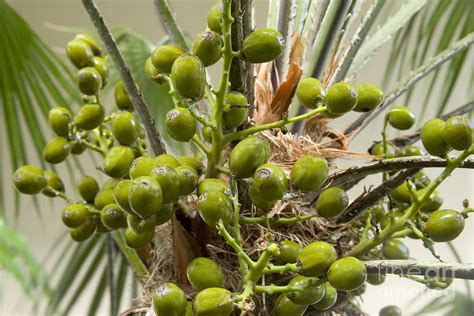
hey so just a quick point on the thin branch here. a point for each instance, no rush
(414, 76)
(170, 25)
(130, 85)
(427, 269)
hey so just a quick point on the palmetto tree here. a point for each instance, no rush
(330, 40)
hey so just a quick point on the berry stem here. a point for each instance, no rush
(198, 141)
(60, 194)
(141, 271)
(235, 227)
(233, 243)
(275, 220)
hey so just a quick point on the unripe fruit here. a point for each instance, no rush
(289, 251)
(142, 166)
(141, 225)
(192, 162)
(213, 206)
(187, 179)
(165, 214)
(82, 232)
(432, 137)
(137, 241)
(207, 134)
(77, 148)
(99, 226)
(168, 179)
(169, 300)
(369, 97)
(387, 218)
(434, 201)
(262, 45)
(409, 151)
(211, 184)
(285, 307)
(310, 92)
(329, 299)
(113, 217)
(400, 117)
(145, 196)
(59, 119)
(208, 47)
(402, 193)
(118, 161)
(122, 100)
(375, 278)
(236, 109)
(258, 201)
(316, 258)
(311, 294)
(394, 249)
(56, 150)
(347, 274)
(91, 41)
(125, 128)
(203, 273)
(29, 180)
(79, 53)
(189, 77)
(88, 188)
(213, 301)
(271, 182)
(214, 18)
(74, 215)
(390, 310)
(163, 57)
(332, 202)
(152, 72)
(444, 225)
(100, 64)
(89, 81)
(53, 181)
(121, 193)
(180, 124)
(309, 173)
(104, 198)
(458, 132)
(247, 156)
(341, 98)
(89, 116)
(378, 150)
(168, 160)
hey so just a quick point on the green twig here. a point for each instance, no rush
(233, 243)
(276, 220)
(133, 259)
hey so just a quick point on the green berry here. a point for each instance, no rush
(213, 301)
(77, 148)
(207, 134)
(369, 97)
(56, 150)
(163, 57)
(329, 299)
(258, 201)
(142, 166)
(203, 273)
(236, 109)
(121, 192)
(289, 251)
(79, 53)
(180, 124)
(29, 180)
(113, 217)
(100, 64)
(208, 47)
(311, 294)
(89, 116)
(390, 310)
(262, 45)
(168, 179)
(168, 160)
(375, 278)
(285, 307)
(432, 137)
(141, 225)
(189, 77)
(434, 202)
(138, 241)
(310, 92)
(53, 181)
(213, 206)
(332, 202)
(110, 184)
(210, 184)
(74, 215)
(88, 188)
(125, 128)
(91, 41)
(188, 179)
(309, 173)
(83, 232)
(122, 100)
(145, 196)
(89, 81)
(118, 161)
(103, 198)
(400, 117)
(402, 193)
(165, 214)
(59, 119)
(192, 162)
(458, 132)
(444, 225)
(153, 73)
(169, 300)
(341, 98)
(271, 182)
(377, 150)
(409, 151)
(316, 258)
(247, 156)
(394, 249)
(385, 221)
(347, 274)
(214, 18)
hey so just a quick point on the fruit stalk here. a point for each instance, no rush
(280, 220)
(134, 260)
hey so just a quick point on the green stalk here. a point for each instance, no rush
(133, 259)
(281, 220)
(235, 228)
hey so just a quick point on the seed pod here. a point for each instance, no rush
(332, 202)
(29, 180)
(169, 299)
(284, 307)
(79, 53)
(310, 92)
(312, 293)
(145, 196)
(289, 251)
(122, 100)
(113, 217)
(89, 116)
(316, 258)
(138, 241)
(213, 301)
(89, 81)
(163, 57)
(167, 160)
(247, 156)
(59, 119)
(258, 201)
(168, 179)
(153, 73)
(458, 132)
(118, 161)
(208, 47)
(91, 41)
(341, 98)
(432, 137)
(236, 109)
(271, 182)
(53, 181)
(213, 206)
(180, 124)
(142, 166)
(347, 274)
(125, 128)
(103, 198)
(100, 64)
(262, 45)
(203, 273)
(369, 97)
(309, 173)
(56, 150)
(83, 232)
(210, 184)
(329, 299)
(88, 188)
(400, 117)
(189, 77)
(214, 18)
(394, 249)
(444, 225)
(192, 162)
(74, 215)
